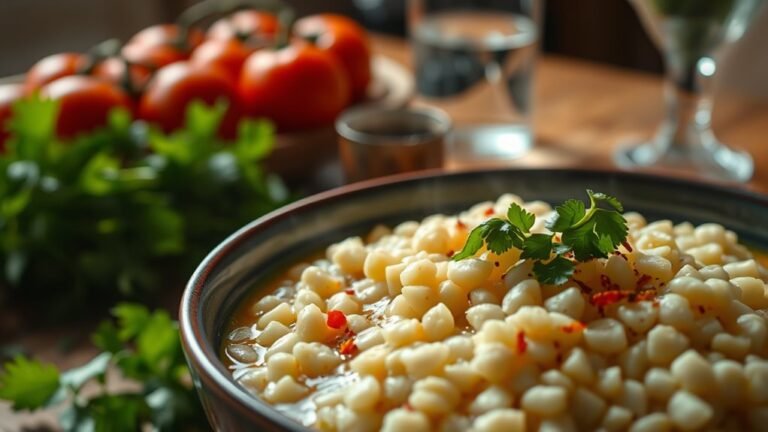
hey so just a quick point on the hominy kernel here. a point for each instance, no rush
(434, 396)
(660, 384)
(280, 365)
(694, 373)
(494, 361)
(587, 408)
(734, 347)
(311, 324)
(577, 366)
(420, 298)
(639, 317)
(617, 418)
(568, 302)
(477, 315)
(664, 344)
(633, 398)
(285, 390)
(492, 398)
(438, 323)
(463, 376)
(469, 273)
(508, 420)
(421, 272)
(688, 412)
(757, 375)
(545, 401)
(363, 395)
(525, 293)
(739, 269)
(392, 275)
(400, 419)
(609, 382)
(655, 422)
(282, 313)
(320, 281)
(606, 336)
(424, 360)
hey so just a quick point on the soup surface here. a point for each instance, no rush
(386, 332)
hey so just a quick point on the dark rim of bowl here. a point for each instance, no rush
(204, 355)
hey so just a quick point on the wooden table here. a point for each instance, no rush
(581, 111)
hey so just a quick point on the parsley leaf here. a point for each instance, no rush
(555, 272)
(29, 384)
(520, 217)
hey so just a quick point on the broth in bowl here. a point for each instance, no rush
(387, 332)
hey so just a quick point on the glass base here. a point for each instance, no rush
(707, 157)
(486, 143)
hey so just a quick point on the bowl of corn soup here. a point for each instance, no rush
(424, 302)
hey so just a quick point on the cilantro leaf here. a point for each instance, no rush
(555, 272)
(610, 200)
(29, 384)
(598, 237)
(537, 246)
(497, 234)
(472, 245)
(520, 217)
(567, 214)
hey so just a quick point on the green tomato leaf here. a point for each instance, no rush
(28, 384)
(537, 246)
(567, 214)
(520, 218)
(555, 272)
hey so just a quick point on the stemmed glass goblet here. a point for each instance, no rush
(689, 33)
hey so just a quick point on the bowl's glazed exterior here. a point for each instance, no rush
(274, 241)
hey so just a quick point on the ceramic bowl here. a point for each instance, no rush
(271, 243)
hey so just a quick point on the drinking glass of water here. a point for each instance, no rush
(475, 59)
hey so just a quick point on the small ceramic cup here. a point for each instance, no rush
(377, 141)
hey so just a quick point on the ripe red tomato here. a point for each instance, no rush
(9, 94)
(345, 39)
(85, 103)
(159, 45)
(297, 87)
(113, 71)
(227, 54)
(53, 67)
(245, 24)
(167, 95)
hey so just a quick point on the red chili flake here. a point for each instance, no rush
(522, 345)
(489, 211)
(605, 281)
(607, 298)
(450, 253)
(624, 256)
(348, 347)
(646, 295)
(460, 224)
(626, 246)
(350, 292)
(701, 309)
(496, 263)
(575, 326)
(644, 279)
(336, 319)
(559, 358)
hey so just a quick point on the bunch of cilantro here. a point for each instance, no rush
(577, 234)
(144, 347)
(124, 210)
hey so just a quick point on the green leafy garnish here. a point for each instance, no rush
(143, 346)
(119, 212)
(28, 383)
(584, 234)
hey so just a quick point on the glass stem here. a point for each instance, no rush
(682, 91)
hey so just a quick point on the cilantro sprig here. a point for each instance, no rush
(143, 346)
(577, 234)
(118, 212)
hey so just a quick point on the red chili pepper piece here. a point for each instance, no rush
(607, 298)
(627, 246)
(574, 327)
(350, 292)
(336, 319)
(489, 211)
(522, 345)
(348, 347)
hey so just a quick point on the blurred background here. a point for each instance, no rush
(604, 31)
